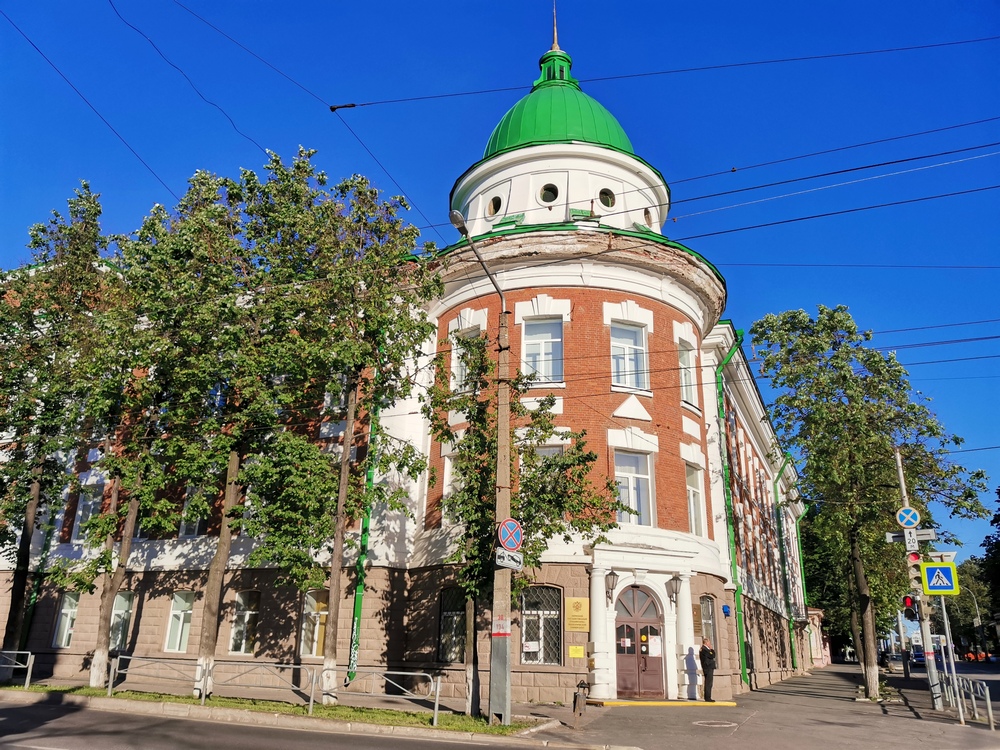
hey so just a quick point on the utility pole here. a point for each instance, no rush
(951, 660)
(904, 648)
(500, 632)
(915, 576)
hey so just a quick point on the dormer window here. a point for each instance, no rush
(607, 198)
(494, 206)
(549, 193)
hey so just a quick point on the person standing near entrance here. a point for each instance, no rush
(707, 658)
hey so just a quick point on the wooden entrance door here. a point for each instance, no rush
(638, 645)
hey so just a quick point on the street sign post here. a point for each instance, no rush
(939, 578)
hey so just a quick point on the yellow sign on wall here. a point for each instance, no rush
(578, 614)
(577, 652)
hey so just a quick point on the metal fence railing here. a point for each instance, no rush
(970, 692)
(11, 660)
(386, 680)
(255, 675)
(155, 670)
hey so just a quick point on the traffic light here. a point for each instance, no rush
(913, 561)
(911, 607)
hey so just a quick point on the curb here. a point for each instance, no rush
(661, 704)
(283, 721)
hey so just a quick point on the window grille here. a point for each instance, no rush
(541, 625)
(451, 644)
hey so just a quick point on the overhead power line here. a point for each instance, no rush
(320, 99)
(674, 71)
(92, 107)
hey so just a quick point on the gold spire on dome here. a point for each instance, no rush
(555, 29)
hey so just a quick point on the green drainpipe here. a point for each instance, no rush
(802, 565)
(784, 561)
(359, 588)
(36, 584)
(730, 516)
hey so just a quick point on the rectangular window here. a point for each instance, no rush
(121, 618)
(179, 627)
(190, 526)
(88, 505)
(708, 620)
(245, 622)
(628, 356)
(543, 349)
(634, 490)
(541, 625)
(696, 507)
(314, 612)
(688, 373)
(459, 366)
(66, 620)
(451, 644)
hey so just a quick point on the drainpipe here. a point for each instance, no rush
(359, 588)
(36, 585)
(784, 560)
(802, 567)
(730, 515)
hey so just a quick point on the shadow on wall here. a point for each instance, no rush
(691, 670)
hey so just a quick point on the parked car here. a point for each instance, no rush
(918, 658)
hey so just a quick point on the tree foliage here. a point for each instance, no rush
(843, 406)
(555, 494)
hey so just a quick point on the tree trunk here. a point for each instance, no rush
(216, 574)
(329, 674)
(111, 583)
(869, 664)
(22, 565)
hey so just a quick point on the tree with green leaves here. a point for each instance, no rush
(46, 313)
(991, 560)
(555, 492)
(843, 407)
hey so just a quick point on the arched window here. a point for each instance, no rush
(314, 613)
(541, 625)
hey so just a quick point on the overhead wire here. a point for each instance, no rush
(320, 99)
(186, 77)
(94, 109)
(674, 71)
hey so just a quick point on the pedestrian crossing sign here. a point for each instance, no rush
(939, 578)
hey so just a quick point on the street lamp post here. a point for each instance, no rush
(500, 641)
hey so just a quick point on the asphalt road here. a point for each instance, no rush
(45, 727)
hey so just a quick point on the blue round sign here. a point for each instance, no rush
(908, 518)
(510, 534)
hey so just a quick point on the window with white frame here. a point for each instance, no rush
(688, 373)
(314, 614)
(121, 618)
(451, 640)
(179, 627)
(708, 620)
(629, 366)
(245, 617)
(696, 505)
(543, 349)
(541, 625)
(634, 487)
(66, 619)
(459, 364)
(87, 506)
(190, 526)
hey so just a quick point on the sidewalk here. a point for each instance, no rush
(814, 712)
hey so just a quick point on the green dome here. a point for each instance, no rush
(557, 111)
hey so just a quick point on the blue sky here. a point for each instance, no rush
(927, 265)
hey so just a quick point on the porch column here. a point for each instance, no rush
(687, 649)
(601, 674)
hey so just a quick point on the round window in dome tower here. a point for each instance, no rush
(493, 207)
(648, 216)
(607, 198)
(549, 193)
